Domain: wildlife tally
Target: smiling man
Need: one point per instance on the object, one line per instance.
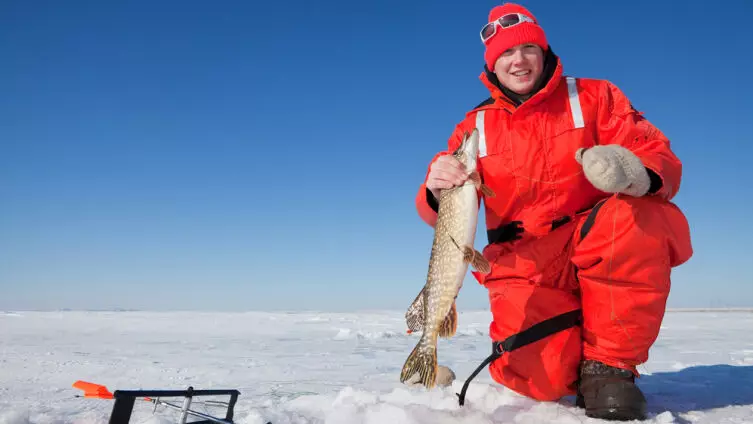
(582, 233)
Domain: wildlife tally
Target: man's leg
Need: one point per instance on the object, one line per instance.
(624, 253)
(532, 281)
(544, 370)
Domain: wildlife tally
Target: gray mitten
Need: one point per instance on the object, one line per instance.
(614, 169)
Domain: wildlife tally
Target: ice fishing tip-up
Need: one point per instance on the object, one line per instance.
(126, 399)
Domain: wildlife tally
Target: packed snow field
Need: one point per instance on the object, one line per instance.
(335, 368)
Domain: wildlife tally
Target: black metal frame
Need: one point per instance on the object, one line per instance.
(126, 399)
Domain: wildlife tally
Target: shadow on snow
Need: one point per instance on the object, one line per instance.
(698, 388)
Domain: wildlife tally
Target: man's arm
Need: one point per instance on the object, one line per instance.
(619, 123)
(426, 204)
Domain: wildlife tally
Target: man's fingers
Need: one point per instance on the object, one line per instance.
(452, 175)
(436, 183)
(443, 181)
(448, 162)
(447, 172)
(450, 165)
(457, 165)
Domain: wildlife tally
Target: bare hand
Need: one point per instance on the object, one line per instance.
(446, 172)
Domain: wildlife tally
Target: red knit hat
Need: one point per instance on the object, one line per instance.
(506, 38)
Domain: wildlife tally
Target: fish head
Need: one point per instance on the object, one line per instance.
(467, 152)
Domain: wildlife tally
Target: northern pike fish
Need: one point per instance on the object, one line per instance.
(434, 311)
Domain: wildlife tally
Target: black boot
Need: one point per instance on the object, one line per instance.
(609, 393)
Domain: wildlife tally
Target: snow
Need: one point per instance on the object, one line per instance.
(335, 368)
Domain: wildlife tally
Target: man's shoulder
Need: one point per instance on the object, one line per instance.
(590, 83)
(486, 102)
(606, 91)
(470, 113)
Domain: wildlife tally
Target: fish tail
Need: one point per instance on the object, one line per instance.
(422, 361)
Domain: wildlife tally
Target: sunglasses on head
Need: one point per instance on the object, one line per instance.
(506, 21)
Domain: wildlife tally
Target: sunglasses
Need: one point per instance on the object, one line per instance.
(506, 21)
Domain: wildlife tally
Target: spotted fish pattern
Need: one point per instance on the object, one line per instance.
(434, 310)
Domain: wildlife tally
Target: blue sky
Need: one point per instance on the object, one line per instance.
(265, 155)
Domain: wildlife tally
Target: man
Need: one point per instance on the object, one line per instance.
(581, 220)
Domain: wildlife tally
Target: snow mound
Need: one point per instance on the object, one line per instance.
(485, 404)
(14, 417)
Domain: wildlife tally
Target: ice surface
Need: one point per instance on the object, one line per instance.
(335, 368)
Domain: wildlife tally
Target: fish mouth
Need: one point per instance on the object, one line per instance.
(467, 152)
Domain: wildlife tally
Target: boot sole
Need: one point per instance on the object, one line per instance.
(614, 414)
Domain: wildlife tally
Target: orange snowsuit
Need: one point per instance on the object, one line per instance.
(558, 244)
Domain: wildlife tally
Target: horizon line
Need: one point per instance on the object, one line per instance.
(365, 310)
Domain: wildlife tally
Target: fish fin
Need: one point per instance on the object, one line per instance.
(475, 177)
(487, 191)
(414, 316)
(476, 259)
(450, 324)
(420, 367)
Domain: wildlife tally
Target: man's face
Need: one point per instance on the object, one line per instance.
(519, 68)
